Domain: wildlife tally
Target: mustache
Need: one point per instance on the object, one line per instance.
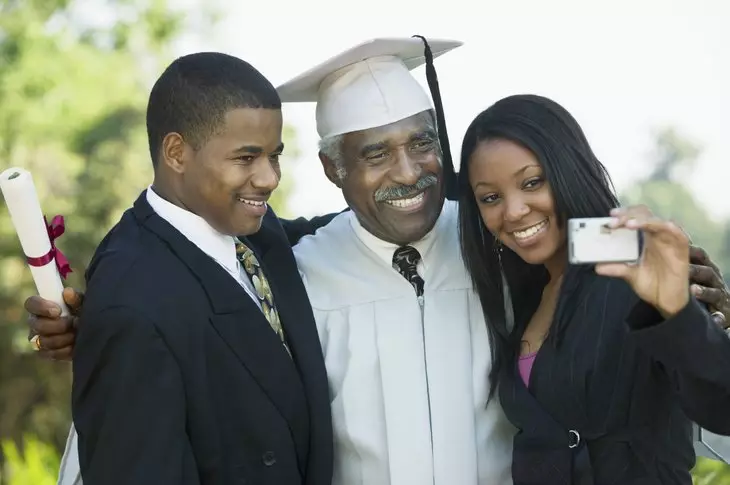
(405, 191)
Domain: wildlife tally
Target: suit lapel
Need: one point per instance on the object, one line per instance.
(277, 260)
(237, 319)
(297, 319)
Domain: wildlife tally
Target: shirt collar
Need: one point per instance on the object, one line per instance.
(218, 246)
(384, 250)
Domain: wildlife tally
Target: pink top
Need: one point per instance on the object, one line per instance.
(525, 366)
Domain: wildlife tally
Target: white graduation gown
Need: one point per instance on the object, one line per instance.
(69, 472)
(408, 383)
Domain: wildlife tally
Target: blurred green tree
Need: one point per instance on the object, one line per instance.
(74, 81)
(710, 472)
(662, 191)
(37, 465)
(724, 254)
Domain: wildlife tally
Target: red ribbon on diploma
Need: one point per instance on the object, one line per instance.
(55, 229)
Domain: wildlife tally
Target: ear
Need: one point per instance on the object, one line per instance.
(330, 169)
(173, 152)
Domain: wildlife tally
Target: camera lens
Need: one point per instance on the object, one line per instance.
(582, 225)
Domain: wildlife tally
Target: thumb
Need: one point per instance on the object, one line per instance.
(75, 323)
(73, 299)
(617, 270)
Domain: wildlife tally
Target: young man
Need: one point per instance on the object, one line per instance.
(198, 361)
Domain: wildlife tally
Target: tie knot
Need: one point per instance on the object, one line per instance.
(240, 247)
(406, 258)
(245, 255)
(405, 261)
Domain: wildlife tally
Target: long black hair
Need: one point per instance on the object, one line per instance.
(581, 187)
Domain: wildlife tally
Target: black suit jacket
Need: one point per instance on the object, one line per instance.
(178, 377)
(611, 402)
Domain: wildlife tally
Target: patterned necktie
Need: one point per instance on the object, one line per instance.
(263, 291)
(405, 261)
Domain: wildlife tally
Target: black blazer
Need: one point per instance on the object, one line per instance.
(178, 377)
(611, 402)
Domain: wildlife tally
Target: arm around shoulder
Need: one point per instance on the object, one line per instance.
(296, 229)
(128, 403)
(695, 352)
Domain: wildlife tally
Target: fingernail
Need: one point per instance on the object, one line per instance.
(696, 290)
(55, 312)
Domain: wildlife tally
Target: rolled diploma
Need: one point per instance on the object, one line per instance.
(25, 212)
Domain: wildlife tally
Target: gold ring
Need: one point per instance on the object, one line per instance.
(36, 341)
(719, 316)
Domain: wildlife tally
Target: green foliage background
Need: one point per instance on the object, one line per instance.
(74, 81)
(72, 100)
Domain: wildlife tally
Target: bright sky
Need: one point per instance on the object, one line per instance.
(622, 68)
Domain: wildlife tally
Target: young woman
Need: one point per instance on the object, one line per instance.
(599, 367)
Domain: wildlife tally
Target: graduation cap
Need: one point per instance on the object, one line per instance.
(370, 85)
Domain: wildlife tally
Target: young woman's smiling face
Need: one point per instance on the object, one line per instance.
(515, 200)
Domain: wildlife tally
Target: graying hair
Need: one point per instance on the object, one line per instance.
(331, 146)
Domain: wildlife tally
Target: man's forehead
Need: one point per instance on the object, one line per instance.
(419, 123)
(248, 127)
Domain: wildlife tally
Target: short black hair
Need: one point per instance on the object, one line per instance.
(580, 185)
(194, 93)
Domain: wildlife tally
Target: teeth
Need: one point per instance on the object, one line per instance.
(406, 202)
(530, 231)
(255, 203)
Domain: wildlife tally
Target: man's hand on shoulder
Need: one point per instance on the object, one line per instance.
(708, 285)
(295, 229)
(56, 335)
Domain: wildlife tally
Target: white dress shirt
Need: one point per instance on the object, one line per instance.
(220, 247)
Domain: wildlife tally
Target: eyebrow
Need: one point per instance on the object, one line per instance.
(257, 150)
(524, 169)
(516, 174)
(381, 145)
(425, 135)
(428, 135)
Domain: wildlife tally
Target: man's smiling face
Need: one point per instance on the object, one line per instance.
(393, 178)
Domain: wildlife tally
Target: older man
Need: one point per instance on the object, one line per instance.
(403, 334)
